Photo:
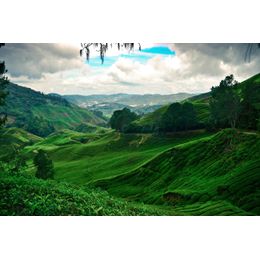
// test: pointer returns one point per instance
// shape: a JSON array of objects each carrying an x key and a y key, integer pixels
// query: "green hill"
[
  {"x": 99, "y": 171},
  {"x": 149, "y": 122},
  {"x": 43, "y": 114},
  {"x": 219, "y": 174},
  {"x": 15, "y": 138},
  {"x": 83, "y": 158}
]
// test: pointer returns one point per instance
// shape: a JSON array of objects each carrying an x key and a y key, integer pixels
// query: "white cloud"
[{"x": 195, "y": 69}]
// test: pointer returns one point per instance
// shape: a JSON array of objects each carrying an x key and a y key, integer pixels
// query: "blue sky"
[{"x": 140, "y": 56}]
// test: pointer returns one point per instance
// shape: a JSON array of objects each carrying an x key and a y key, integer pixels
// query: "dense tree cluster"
[
  {"x": 235, "y": 105},
  {"x": 178, "y": 117},
  {"x": 121, "y": 119},
  {"x": 35, "y": 124},
  {"x": 250, "y": 107},
  {"x": 44, "y": 165},
  {"x": 225, "y": 103}
]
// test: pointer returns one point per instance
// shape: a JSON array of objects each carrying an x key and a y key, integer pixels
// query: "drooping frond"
[
  {"x": 103, "y": 47},
  {"x": 250, "y": 48}
]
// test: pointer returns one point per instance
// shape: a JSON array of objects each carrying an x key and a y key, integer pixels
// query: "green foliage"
[
  {"x": 238, "y": 105},
  {"x": 89, "y": 128},
  {"x": 250, "y": 112},
  {"x": 121, "y": 119},
  {"x": 14, "y": 138},
  {"x": 3, "y": 93},
  {"x": 152, "y": 122},
  {"x": 36, "y": 125},
  {"x": 43, "y": 114},
  {"x": 225, "y": 103},
  {"x": 179, "y": 117},
  {"x": 180, "y": 173},
  {"x": 14, "y": 163},
  {"x": 82, "y": 158},
  {"x": 234, "y": 104},
  {"x": 219, "y": 173},
  {"x": 28, "y": 196},
  {"x": 44, "y": 165}
]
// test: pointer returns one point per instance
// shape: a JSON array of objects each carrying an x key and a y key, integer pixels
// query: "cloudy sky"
[{"x": 158, "y": 68}]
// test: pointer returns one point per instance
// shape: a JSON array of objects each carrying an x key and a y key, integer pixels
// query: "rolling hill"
[
  {"x": 213, "y": 175},
  {"x": 83, "y": 158},
  {"x": 149, "y": 122},
  {"x": 99, "y": 171},
  {"x": 27, "y": 108},
  {"x": 15, "y": 138},
  {"x": 194, "y": 173}
]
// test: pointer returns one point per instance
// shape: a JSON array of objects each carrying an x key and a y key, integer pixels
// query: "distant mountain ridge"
[{"x": 133, "y": 100}]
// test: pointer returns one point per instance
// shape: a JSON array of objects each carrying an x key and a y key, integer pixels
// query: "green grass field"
[
  {"x": 99, "y": 171},
  {"x": 223, "y": 169},
  {"x": 85, "y": 158},
  {"x": 192, "y": 173}
]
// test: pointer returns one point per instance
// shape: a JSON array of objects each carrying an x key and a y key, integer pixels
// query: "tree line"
[
  {"x": 230, "y": 105},
  {"x": 178, "y": 117},
  {"x": 235, "y": 106}
]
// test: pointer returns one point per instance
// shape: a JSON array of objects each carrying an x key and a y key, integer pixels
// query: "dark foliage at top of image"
[
  {"x": 3, "y": 83},
  {"x": 103, "y": 47}
]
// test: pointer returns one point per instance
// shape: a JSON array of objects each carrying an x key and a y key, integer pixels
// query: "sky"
[{"x": 162, "y": 68}]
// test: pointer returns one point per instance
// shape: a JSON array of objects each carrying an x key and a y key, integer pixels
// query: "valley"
[{"x": 173, "y": 159}]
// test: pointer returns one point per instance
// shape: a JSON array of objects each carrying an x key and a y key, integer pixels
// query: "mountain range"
[{"x": 141, "y": 104}]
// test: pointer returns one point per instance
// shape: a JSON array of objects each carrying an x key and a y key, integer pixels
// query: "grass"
[
  {"x": 11, "y": 138},
  {"x": 223, "y": 168},
  {"x": 85, "y": 158},
  {"x": 25, "y": 103},
  {"x": 102, "y": 172},
  {"x": 28, "y": 196},
  {"x": 192, "y": 173},
  {"x": 65, "y": 117}
]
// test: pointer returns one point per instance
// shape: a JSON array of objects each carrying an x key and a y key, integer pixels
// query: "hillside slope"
[
  {"x": 27, "y": 108},
  {"x": 15, "y": 138},
  {"x": 213, "y": 175},
  {"x": 28, "y": 196},
  {"x": 83, "y": 158},
  {"x": 149, "y": 122}
]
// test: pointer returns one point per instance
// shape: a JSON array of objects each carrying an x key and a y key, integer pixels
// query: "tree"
[
  {"x": 178, "y": 117},
  {"x": 171, "y": 119},
  {"x": 103, "y": 47},
  {"x": 121, "y": 119},
  {"x": 44, "y": 165},
  {"x": 225, "y": 103},
  {"x": 3, "y": 82},
  {"x": 14, "y": 163},
  {"x": 189, "y": 116},
  {"x": 250, "y": 113}
]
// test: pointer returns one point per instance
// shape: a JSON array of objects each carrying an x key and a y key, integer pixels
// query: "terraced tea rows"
[{"x": 224, "y": 168}]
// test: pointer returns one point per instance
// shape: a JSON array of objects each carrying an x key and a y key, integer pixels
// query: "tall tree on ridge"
[
  {"x": 225, "y": 103},
  {"x": 3, "y": 82}
]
